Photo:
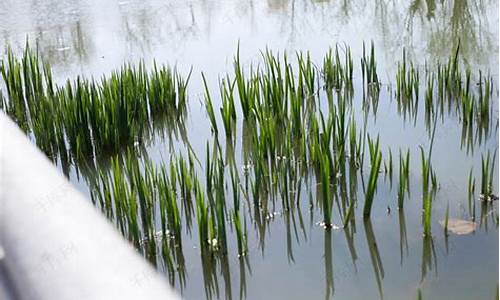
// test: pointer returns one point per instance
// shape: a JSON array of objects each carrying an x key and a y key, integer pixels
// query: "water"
[{"x": 299, "y": 259}]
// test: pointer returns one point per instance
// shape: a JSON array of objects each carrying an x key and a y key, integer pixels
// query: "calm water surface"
[{"x": 298, "y": 259}]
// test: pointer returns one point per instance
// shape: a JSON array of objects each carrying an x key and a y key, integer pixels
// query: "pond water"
[{"x": 289, "y": 255}]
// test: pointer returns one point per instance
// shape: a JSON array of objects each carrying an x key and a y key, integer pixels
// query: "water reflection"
[
  {"x": 244, "y": 263},
  {"x": 378, "y": 268},
  {"x": 292, "y": 187},
  {"x": 403, "y": 239},
  {"x": 328, "y": 264},
  {"x": 429, "y": 258},
  {"x": 69, "y": 32}
]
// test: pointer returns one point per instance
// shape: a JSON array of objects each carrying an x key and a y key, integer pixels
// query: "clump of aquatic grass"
[
  {"x": 186, "y": 178},
  {"x": 429, "y": 98},
  {"x": 241, "y": 230},
  {"x": 404, "y": 177},
  {"x": 426, "y": 194},
  {"x": 336, "y": 74},
  {"x": 407, "y": 86},
  {"x": 307, "y": 74},
  {"x": 202, "y": 217},
  {"x": 487, "y": 172},
  {"x": 407, "y": 81},
  {"x": 89, "y": 117},
  {"x": 209, "y": 106},
  {"x": 354, "y": 144},
  {"x": 296, "y": 104},
  {"x": 247, "y": 90},
  {"x": 16, "y": 75},
  {"x": 375, "y": 161},
  {"x": 141, "y": 182},
  {"x": 449, "y": 77},
  {"x": 425, "y": 164},
  {"x": 165, "y": 89},
  {"x": 241, "y": 234},
  {"x": 172, "y": 208},
  {"x": 471, "y": 188},
  {"x": 274, "y": 91},
  {"x": 216, "y": 199},
  {"x": 142, "y": 196},
  {"x": 369, "y": 68},
  {"x": 228, "y": 110},
  {"x": 484, "y": 99},
  {"x": 468, "y": 109},
  {"x": 272, "y": 88}
]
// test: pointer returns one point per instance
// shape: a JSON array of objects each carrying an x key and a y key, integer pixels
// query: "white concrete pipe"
[{"x": 56, "y": 244}]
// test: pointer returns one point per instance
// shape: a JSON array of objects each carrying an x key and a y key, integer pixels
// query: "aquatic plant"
[
  {"x": 487, "y": 172},
  {"x": 337, "y": 75},
  {"x": 228, "y": 111},
  {"x": 299, "y": 128},
  {"x": 407, "y": 81},
  {"x": 471, "y": 187},
  {"x": 375, "y": 161},
  {"x": 404, "y": 177},
  {"x": 209, "y": 106},
  {"x": 89, "y": 117},
  {"x": 247, "y": 90},
  {"x": 369, "y": 69},
  {"x": 427, "y": 196},
  {"x": 326, "y": 191}
]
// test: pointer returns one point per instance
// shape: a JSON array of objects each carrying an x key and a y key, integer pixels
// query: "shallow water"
[{"x": 299, "y": 259}]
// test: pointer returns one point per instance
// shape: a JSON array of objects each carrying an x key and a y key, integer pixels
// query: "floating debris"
[
  {"x": 326, "y": 225},
  {"x": 460, "y": 227}
]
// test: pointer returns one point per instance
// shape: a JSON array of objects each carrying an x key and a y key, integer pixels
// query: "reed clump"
[{"x": 89, "y": 117}]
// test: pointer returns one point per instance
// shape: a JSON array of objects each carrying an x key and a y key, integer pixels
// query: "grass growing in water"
[
  {"x": 89, "y": 117},
  {"x": 369, "y": 69},
  {"x": 288, "y": 131},
  {"x": 404, "y": 177},
  {"x": 487, "y": 172},
  {"x": 375, "y": 161},
  {"x": 427, "y": 196},
  {"x": 338, "y": 75}
]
